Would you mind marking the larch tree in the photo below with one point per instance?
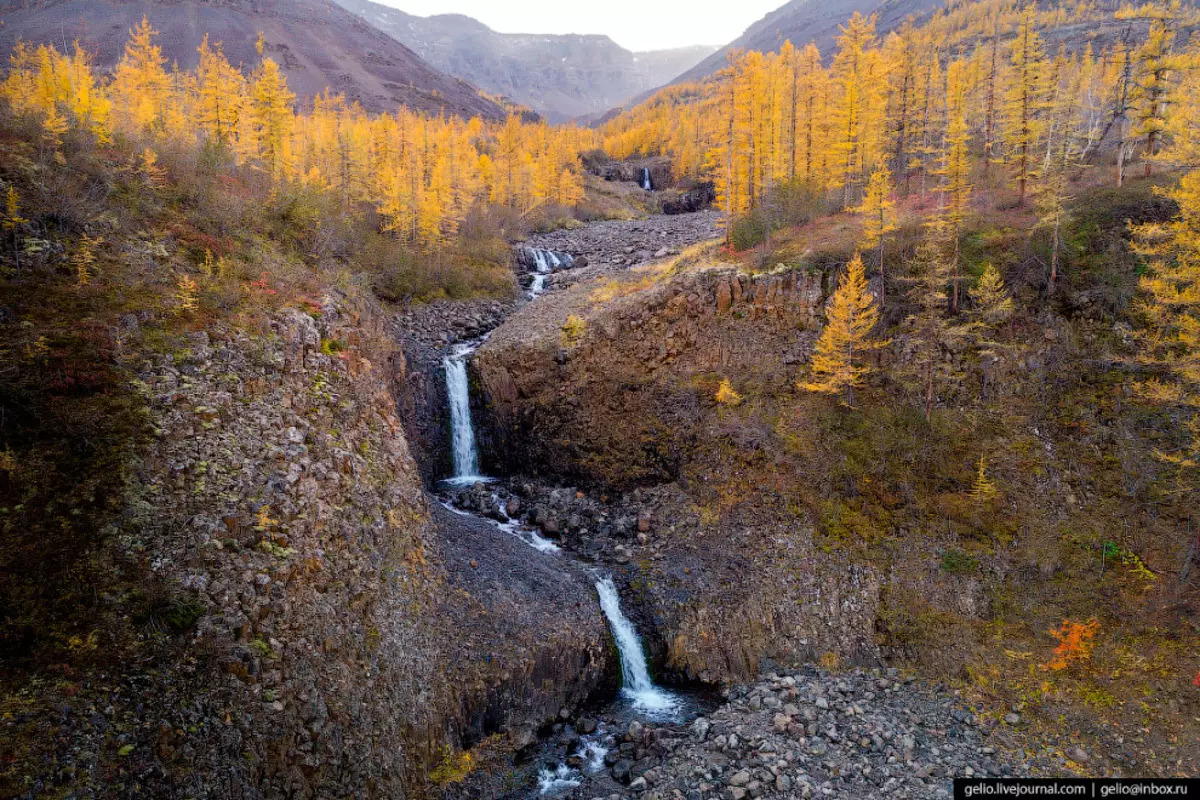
(1155, 66)
(857, 73)
(955, 171)
(1171, 286)
(1025, 101)
(272, 116)
(930, 327)
(221, 90)
(140, 83)
(878, 211)
(12, 222)
(851, 316)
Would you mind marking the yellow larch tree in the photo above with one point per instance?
(878, 211)
(271, 116)
(955, 170)
(1025, 101)
(1171, 287)
(140, 84)
(857, 72)
(851, 316)
(1155, 66)
(221, 90)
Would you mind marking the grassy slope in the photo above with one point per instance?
(1088, 523)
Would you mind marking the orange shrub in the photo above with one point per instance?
(1075, 643)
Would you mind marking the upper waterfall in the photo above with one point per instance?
(462, 431)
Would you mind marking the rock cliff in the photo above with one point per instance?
(611, 386)
(623, 405)
(320, 629)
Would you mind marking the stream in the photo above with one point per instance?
(585, 751)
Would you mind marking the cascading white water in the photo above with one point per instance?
(545, 262)
(542, 268)
(462, 432)
(636, 684)
(646, 184)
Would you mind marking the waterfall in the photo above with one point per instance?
(646, 184)
(544, 262)
(458, 391)
(635, 677)
(538, 286)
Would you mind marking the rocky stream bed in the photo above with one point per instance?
(797, 733)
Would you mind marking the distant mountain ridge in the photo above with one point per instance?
(318, 44)
(559, 76)
(804, 21)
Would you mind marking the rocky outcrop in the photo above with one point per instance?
(623, 405)
(684, 497)
(689, 200)
(321, 630)
(661, 172)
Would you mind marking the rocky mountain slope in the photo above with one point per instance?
(804, 21)
(560, 77)
(313, 603)
(318, 44)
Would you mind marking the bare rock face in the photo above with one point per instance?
(627, 406)
(728, 573)
(621, 407)
(343, 636)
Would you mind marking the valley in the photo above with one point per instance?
(824, 426)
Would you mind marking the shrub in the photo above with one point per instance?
(454, 768)
(959, 562)
(1075, 643)
(726, 395)
(572, 330)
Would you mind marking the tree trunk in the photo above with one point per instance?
(1054, 252)
(882, 276)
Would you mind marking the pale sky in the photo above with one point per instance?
(634, 24)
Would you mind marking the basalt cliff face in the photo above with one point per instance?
(611, 387)
(622, 406)
(323, 629)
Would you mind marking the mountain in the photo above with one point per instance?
(559, 76)
(804, 21)
(318, 44)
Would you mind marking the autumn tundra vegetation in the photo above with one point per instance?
(1000, 202)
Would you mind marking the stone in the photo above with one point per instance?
(740, 778)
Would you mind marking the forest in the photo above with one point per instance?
(844, 403)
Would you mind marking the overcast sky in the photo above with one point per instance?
(635, 24)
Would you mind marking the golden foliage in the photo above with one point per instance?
(726, 395)
(422, 173)
(186, 299)
(572, 330)
(852, 315)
